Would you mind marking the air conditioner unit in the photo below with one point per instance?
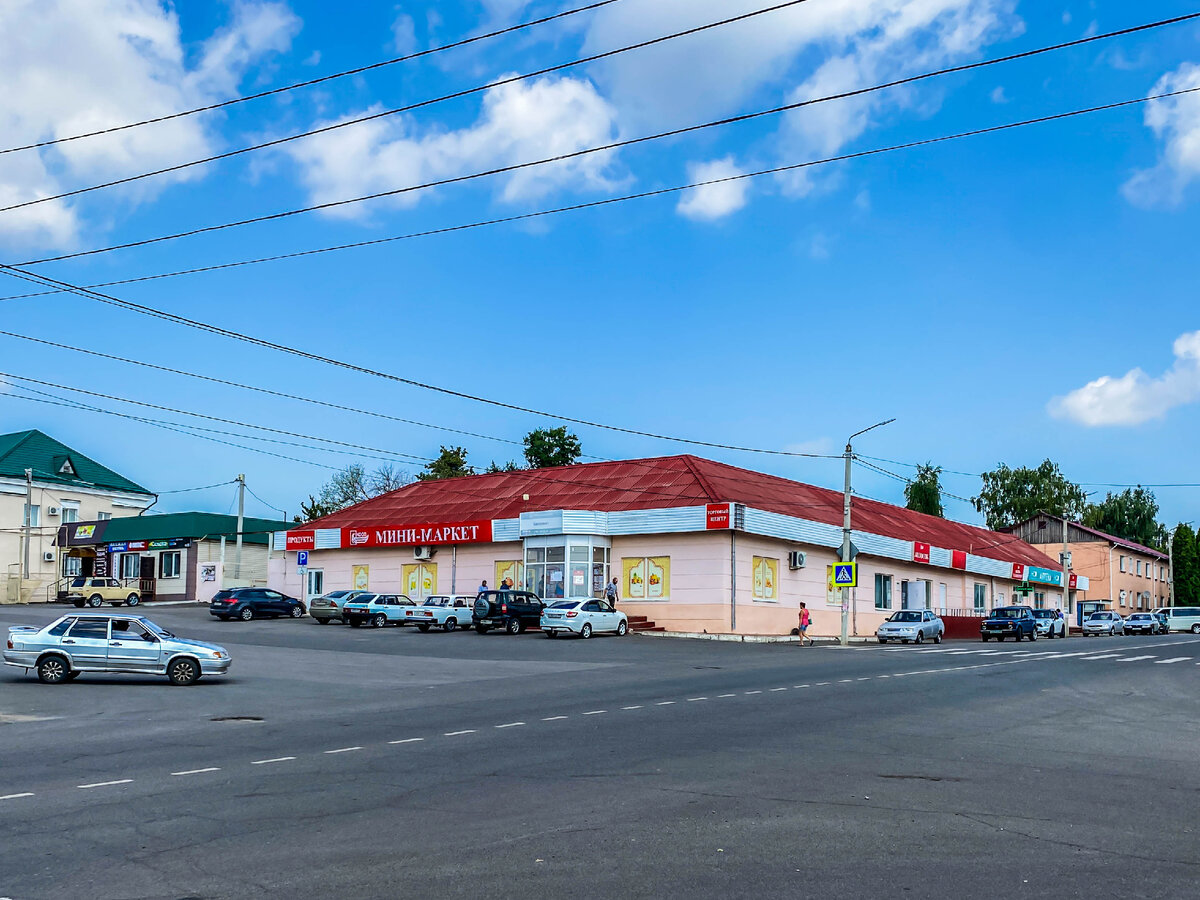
(52, 510)
(424, 552)
(797, 559)
(48, 556)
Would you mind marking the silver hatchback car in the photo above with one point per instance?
(80, 643)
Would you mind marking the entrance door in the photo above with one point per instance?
(147, 576)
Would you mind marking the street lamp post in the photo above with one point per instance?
(849, 456)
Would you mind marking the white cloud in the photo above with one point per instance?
(72, 66)
(998, 96)
(404, 34)
(1136, 397)
(518, 122)
(713, 201)
(1176, 122)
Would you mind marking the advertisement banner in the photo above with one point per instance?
(361, 577)
(658, 577)
(478, 532)
(1018, 573)
(958, 559)
(635, 578)
(510, 570)
(920, 552)
(301, 540)
(419, 580)
(717, 516)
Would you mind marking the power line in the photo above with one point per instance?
(312, 81)
(904, 480)
(562, 157)
(264, 502)
(1114, 484)
(189, 490)
(491, 85)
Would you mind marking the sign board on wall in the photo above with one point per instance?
(958, 559)
(301, 540)
(718, 516)
(920, 552)
(478, 532)
(1018, 572)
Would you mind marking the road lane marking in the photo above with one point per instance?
(822, 683)
(407, 741)
(16, 796)
(865, 678)
(695, 699)
(883, 676)
(665, 703)
(1163, 662)
(198, 771)
(106, 783)
(510, 725)
(753, 692)
(596, 712)
(1136, 658)
(721, 696)
(630, 707)
(845, 680)
(457, 733)
(799, 686)
(344, 750)
(554, 718)
(776, 690)
(264, 762)
(1104, 656)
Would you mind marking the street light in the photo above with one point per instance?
(846, 527)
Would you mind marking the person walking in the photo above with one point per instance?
(482, 587)
(611, 594)
(805, 618)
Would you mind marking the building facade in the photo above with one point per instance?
(67, 487)
(695, 546)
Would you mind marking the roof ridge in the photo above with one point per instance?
(690, 461)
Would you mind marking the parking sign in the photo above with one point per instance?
(302, 558)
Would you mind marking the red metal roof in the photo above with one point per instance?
(663, 482)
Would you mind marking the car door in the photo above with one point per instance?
(607, 617)
(273, 602)
(131, 648)
(591, 614)
(87, 643)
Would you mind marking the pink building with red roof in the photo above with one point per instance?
(696, 546)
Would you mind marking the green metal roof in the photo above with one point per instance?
(56, 463)
(189, 525)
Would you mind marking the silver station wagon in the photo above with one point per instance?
(80, 643)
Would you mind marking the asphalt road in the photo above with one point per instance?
(338, 762)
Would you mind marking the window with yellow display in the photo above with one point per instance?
(766, 578)
(646, 578)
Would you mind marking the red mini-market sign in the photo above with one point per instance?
(479, 532)
(717, 516)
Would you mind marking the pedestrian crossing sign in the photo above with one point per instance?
(845, 575)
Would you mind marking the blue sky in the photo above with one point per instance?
(964, 289)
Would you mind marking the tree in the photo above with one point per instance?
(1131, 514)
(349, 486)
(924, 493)
(1186, 565)
(546, 447)
(1013, 495)
(509, 466)
(451, 463)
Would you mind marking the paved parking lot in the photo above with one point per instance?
(394, 762)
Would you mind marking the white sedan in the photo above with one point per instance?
(916, 625)
(584, 618)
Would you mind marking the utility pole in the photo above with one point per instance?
(28, 516)
(237, 553)
(849, 456)
(1066, 570)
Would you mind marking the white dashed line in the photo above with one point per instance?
(883, 676)
(457, 733)
(16, 796)
(865, 678)
(105, 783)
(722, 696)
(845, 680)
(822, 683)
(554, 718)
(344, 750)
(1163, 662)
(198, 771)
(665, 703)
(1136, 658)
(695, 699)
(1103, 656)
(264, 762)
(407, 741)
(596, 712)
(510, 725)
(776, 690)
(630, 707)
(753, 692)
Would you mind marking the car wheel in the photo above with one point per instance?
(1033, 635)
(481, 629)
(246, 614)
(353, 623)
(1196, 628)
(183, 672)
(95, 601)
(982, 637)
(78, 604)
(378, 621)
(513, 626)
(321, 621)
(132, 600)
(884, 640)
(586, 631)
(920, 638)
(297, 612)
(423, 628)
(53, 670)
(450, 624)
(937, 638)
(551, 634)
(622, 628)
(223, 618)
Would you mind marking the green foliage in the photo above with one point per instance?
(1186, 563)
(546, 447)
(451, 463)
(351, 485)
(509, 466)
(1131, 514)
(1013, 495)
(924, 493)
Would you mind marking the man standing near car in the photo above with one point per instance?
(482, 587)
(611, 594)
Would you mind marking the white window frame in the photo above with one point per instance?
(121, 566)
(31, 515)
(1139, 567)
(319, 576)
(103, 516)
(884, 581)
(979, 596)
(177, 555)
(1122, 562)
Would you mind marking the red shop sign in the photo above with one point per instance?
(958, 559)
(920, 552)
(717, 516)
(479, 532)
(1018, 572)
(1073, 582)
(301, 540)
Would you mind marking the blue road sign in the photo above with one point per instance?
(845, 574)
(302, 558)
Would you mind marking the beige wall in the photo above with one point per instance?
(1101, 563)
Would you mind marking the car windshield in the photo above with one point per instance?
(362, 598)
(565, 604)
(1044, 613)
(77, 582)
(1140, 617)
(1008, 613)
(162, 632)
(1100, 617)
(436, 601)
(905, 615)
(336, 595)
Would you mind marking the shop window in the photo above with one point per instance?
(883, 591)
(419, 580)
(169, 564)
(131, 565)
(766, 578)
(511, 570)
(316, 582)
(980, 597)
(72, 566)
(1039, 599)
(646, 578)
(942, 591)
(600, 568)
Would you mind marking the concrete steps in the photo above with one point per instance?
(642, 623)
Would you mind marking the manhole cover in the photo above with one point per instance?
(236, 719)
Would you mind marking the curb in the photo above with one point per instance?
(749, 638)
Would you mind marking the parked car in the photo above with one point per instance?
(376, 609)
(444, 611)
(584, 618)
(1142, 623)
(1009, 621)
(1163, 625)
(1050, 623)
(327, 607)
(1103, 622)
(73, 644)
(95, 592)
(916, 625)
(514, 611)
(251, 603)
(1183, 618)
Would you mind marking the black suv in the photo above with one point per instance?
(514, 611)
(1009, 621)
(250, 603)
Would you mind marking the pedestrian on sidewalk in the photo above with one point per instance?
(611, 594)
(804, 621)
(482, 587)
